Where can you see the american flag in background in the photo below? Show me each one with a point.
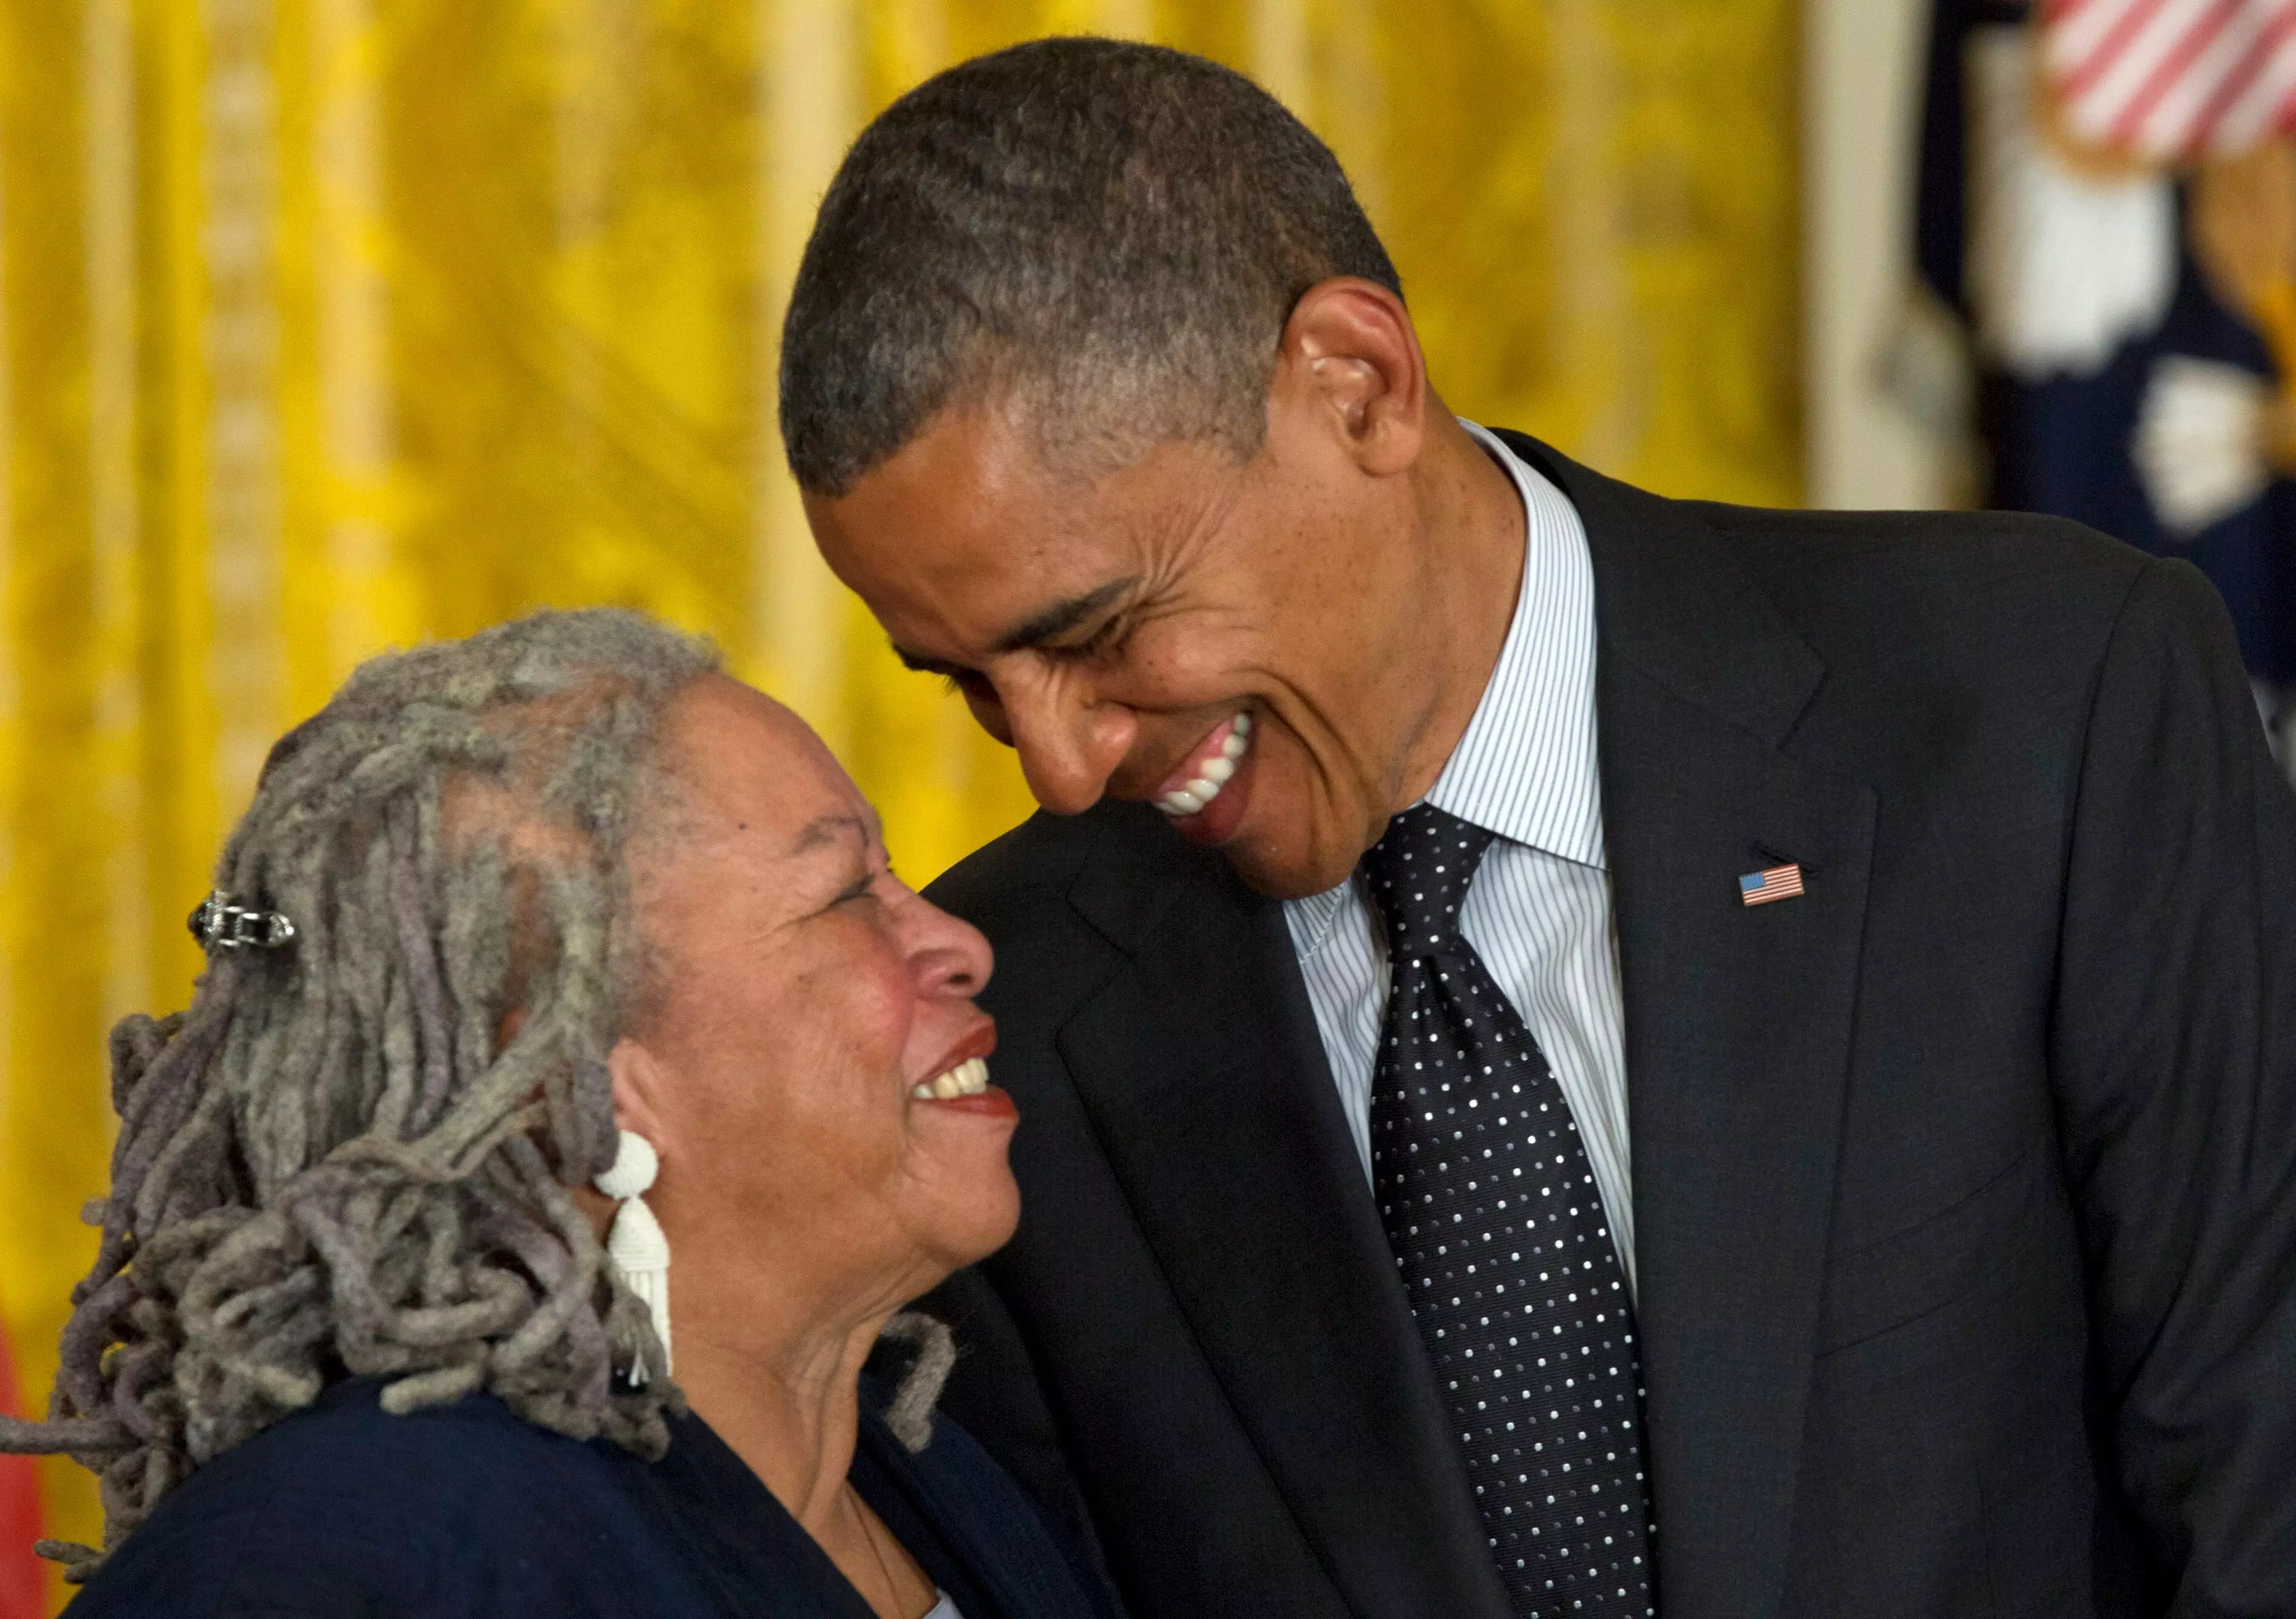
(2167, 80)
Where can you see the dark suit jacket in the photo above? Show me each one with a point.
(1965, 1185)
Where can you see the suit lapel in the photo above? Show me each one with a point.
(1203, 1070)
(1738, 1027)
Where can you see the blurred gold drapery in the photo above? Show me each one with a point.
(326, 325)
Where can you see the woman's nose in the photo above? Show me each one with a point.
(951, 956)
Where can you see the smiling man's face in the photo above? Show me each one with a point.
(1260, 628)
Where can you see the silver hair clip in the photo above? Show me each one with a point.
(218, 924)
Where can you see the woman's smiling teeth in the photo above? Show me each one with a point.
(1231, 742)
(968, 1078)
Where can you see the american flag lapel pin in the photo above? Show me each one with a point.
(1762, 888)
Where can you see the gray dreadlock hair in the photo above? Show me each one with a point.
(352, 1156)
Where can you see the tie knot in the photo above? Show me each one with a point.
(1419, 873)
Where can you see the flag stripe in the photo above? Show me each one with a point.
(2272, 107)
(2123, 77)
(2225, 93)
(2167, 80)
(2246, 104)
(2183, 66)
(2071, 33)
(2180, 122)
(2116, 48)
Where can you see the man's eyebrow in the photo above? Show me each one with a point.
(1054, 621)
(1062, 616)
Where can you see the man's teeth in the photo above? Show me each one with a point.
(1212, 774)
(968, 1078)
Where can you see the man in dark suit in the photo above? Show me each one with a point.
(1580, 1053)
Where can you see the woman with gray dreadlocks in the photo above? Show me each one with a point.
(540, 959)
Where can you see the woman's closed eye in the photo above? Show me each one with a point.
(861, 888)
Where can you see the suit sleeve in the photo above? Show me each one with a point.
(2174, 1051)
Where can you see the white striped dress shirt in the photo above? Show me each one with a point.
(1539, 912)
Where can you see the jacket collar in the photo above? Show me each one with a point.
(1671, 603)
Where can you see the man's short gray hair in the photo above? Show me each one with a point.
(1109, 235)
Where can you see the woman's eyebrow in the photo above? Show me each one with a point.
(828, 828)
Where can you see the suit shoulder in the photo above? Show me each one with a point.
(1974, 600)
(1967, 549)
(1781, 547)
(1028, 868)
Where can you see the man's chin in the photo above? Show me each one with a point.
(1275, 866)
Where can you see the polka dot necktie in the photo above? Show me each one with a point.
(1498, 1231)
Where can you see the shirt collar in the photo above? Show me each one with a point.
(1311, 919)
(1526, 766)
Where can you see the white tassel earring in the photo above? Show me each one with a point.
(635, 1244)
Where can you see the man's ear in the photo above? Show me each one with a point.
(638, 1093)
(1350, 354)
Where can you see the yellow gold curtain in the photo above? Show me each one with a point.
(326, 325)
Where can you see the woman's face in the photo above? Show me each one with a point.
(800, 996)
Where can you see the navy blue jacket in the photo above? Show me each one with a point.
(344, 1509)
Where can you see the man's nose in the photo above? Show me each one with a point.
(1068, 748)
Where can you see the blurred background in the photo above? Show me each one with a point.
(328, 325)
